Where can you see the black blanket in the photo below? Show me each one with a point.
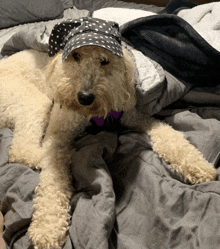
(175, 44)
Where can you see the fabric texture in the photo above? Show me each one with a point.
(13, 12)
(73, 34)
(78, 9)
(121, 15)
(176, 46)
(33, 35)
(205, 20)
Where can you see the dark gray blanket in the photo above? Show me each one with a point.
(176, 45)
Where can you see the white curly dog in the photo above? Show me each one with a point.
(49, 100)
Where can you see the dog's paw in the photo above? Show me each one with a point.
(51, 207)
(43, 239)
(50, 220)
(201, 175)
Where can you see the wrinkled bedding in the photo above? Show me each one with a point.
(177, 46)
(140, 202)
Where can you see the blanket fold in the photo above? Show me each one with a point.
(94, 215)
(176, 46)
(205, 19)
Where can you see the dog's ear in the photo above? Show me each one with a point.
(130, 79)
(58, 34)
(130, 66)
(50, 72)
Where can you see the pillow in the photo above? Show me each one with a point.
(121, 15)
(14, 12)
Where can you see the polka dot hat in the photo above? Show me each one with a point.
(72, 34)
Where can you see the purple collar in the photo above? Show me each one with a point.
(100, 121)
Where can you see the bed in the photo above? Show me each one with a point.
(177, 54)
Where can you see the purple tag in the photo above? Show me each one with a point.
(100, 121)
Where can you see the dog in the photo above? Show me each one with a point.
(49, 100)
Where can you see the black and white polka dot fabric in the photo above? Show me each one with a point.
(72, 34)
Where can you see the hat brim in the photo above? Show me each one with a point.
(92, 39)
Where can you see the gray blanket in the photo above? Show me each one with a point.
(131, 198)
(140, 202)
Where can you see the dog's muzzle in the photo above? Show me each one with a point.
(86, 97)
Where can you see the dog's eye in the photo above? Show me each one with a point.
(104, 62)
(76, 56)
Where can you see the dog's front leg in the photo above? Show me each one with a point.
(171, 145)
(50, 220)
(28, 117)
(51, 215)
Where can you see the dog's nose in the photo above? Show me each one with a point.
(86, 97)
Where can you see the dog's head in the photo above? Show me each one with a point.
(94, 74)
(93, 81)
